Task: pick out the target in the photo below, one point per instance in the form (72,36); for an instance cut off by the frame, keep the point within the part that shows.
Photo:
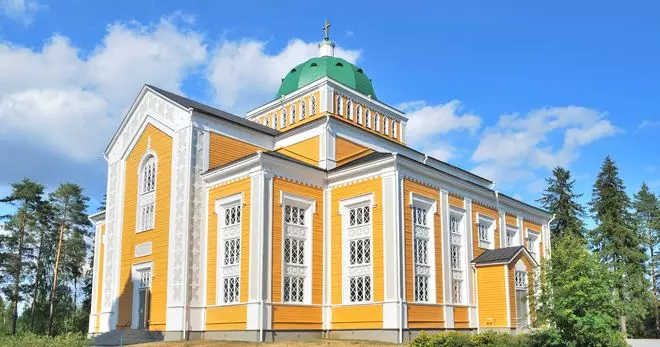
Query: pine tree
(69,204)
(17,246)
(647,215)
(618,243)
(560,200)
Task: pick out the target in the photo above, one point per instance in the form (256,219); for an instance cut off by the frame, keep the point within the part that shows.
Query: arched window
(283,124)
(267,121)
(275,121)
(293,113)
(313,108)
(303,109)
(359,114)
(394,129)
(367,115)
(349,110)
(377,121)
(147,194)
(339,105)
(386,125)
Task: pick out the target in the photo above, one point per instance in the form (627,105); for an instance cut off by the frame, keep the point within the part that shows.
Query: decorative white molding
(143,249)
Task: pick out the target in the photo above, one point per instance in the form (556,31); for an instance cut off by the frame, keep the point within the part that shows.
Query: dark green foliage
(620,246)
(539,338)
(560,200)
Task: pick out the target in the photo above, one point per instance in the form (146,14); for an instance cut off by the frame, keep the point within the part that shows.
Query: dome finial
(327,47)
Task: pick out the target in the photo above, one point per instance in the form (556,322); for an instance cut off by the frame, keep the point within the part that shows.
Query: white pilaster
(519,236)
(327,148)
(393,253)
(446,262)
(327,256)
(468,270)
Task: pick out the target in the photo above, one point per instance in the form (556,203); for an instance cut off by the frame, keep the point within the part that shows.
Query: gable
(224,149)
(346,151)
(306,150)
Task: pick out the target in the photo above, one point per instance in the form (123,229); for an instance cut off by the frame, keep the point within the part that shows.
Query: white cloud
(243,74)
(70,101)
(649,124)
(517,145)
(21,10)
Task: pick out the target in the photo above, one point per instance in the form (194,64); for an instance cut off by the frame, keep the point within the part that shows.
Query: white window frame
(386,125)
(146,198)
(367,115)
(349,110)
(394,129)
(377,121)
(457,238)
(424,233)
(284,115)
(137,279)
(289,231)
(303,109)
(489,223)
(360,232)
(359,114)
(267,121)
(520,268)
(511,237)
(275,116)
(339,105)
(293,113)
(232,270)
(312,108)
(533,243)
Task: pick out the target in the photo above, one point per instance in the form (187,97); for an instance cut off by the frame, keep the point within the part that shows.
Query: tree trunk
(17,275)
(35,292)
(655,289)
(52,291)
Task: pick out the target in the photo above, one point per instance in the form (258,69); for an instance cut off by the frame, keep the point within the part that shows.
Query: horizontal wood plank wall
(357,316)
(235,316)
(431,194)
(425,316)
(486,211)
(535,228)
(99,280)
(223,150)
(492,296)
(461,317)
(161,144)
(306,150)
(456,201)
(511,220)
(308,118)
(297,316)
(347,151)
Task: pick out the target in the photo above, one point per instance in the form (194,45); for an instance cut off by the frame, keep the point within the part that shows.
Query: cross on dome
(326,47)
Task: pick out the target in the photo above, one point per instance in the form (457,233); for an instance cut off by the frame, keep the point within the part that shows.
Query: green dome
(336,68)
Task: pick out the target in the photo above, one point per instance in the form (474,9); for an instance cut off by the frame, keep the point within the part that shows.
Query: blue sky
(505,89)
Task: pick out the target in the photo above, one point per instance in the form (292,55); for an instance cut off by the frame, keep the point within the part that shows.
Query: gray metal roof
(499,255)
(211,111)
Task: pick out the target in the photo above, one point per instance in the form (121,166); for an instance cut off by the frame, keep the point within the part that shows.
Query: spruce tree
(618,243)
(647,217)
(17,244)
(560,200)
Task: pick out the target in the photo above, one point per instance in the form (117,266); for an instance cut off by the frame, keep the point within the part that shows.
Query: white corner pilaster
(470,276)
(394,305)
(327,148)
(446,262)
(327,256)
(519,235)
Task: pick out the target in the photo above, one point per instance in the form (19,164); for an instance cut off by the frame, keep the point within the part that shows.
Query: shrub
(32,340)
(447,339)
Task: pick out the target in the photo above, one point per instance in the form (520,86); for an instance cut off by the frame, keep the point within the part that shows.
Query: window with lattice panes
(283,123)
(485,228)
(296,253)
(359,114)
(533,244)
(358,253)
(303,109)
(367,115)
(455,257)
(422,249)
(293,113)
(147,196)
(457,291)
(520,279)
(230,218)
(312,108)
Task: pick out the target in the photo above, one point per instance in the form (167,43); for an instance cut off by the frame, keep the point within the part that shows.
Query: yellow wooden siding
(456,201)
(461,317)
(347,151)
(486,211)
(511,220)
(346,192)
(306,150)
(432,194)
(232,317)
(425,316)
(297,317)
(357,317)
(492,296)
(161,144)
(306,317)
(99,279)
(223,149)
(227,317)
